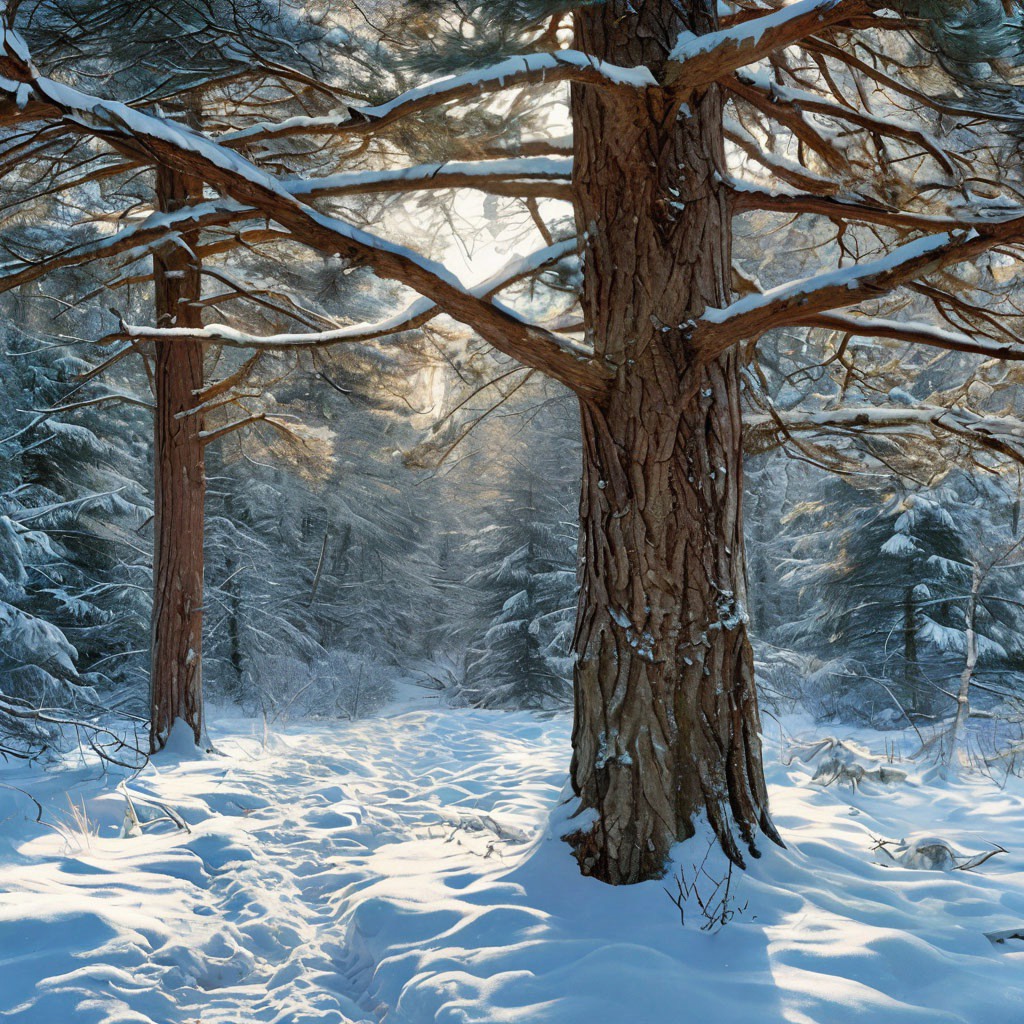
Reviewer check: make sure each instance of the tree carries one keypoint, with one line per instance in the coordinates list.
(525, 587)
(188, 59)
(667, 726)
(72, 569)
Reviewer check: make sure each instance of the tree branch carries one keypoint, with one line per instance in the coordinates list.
(795, 302)
(155, 140)
(916, 333)
(1002, 434)
(697, 61)
(414, 316)
(746, 196)
(514, 72)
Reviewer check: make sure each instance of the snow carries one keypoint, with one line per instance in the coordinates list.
(98, 114)
(408, 869)
(449, 87)
(689, 45)
(843, 277)
(411, 316)
(803, 98)
(181, 741)
(101, 115)
(638, 77)
(515, 167)
(13, 43)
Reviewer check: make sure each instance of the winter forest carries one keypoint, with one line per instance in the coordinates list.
(510, 511)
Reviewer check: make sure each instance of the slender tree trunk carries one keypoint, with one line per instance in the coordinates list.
(234, 626)
(666, 728)
(176, 681)
(233, 621)
(911, 667)
(963, 702)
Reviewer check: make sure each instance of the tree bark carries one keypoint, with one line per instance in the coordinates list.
(963, 698)
(911, 667)
(176, 681)
(666, 721)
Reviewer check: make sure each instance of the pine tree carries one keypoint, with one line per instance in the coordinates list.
(525, 588)
(667, 725)
(74, 575)
(891, 578)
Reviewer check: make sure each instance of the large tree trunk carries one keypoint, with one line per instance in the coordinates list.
(667, 726)
(176, 680)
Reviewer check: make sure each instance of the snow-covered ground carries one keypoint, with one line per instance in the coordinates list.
(403, 869)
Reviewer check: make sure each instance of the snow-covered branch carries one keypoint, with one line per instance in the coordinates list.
(416, 315)
(537, 176)
(917, 333)
(1003, 434)
(747, 196)
(788, 105)
(696, 61)
(526, 176)
(511, 73)
(155, 140)
(797, 301)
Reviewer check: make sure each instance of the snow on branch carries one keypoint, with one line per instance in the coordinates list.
(773, 98)
(573, 64)
(1002, 434)
(917, 333)
(511, 177)
(520, 177)
(696, 61)
(157, 141)
(748, 196)
(134, 242)
(795, 302)
(525, 176)
(513, 72)
(416, 315)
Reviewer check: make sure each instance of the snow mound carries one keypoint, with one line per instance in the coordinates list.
(844, 762)
(408, 870)
(932, 853)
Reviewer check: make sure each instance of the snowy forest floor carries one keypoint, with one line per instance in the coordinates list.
(403, 869)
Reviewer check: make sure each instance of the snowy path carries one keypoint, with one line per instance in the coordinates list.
(399, 870)
(246, 919)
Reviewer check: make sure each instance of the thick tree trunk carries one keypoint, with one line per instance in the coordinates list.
(667, 727)
(176, 681)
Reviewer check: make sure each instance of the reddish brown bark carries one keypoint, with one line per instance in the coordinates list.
(176, 682)
(666, 726)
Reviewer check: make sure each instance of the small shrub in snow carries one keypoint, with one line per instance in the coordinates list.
(930, 853)
(844, 762)
(342, 684)
(713, 897)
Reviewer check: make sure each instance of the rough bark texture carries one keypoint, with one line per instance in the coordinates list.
(666, 726)
(176, 681)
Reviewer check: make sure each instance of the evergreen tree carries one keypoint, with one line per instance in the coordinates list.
(75, 574)
(667, 726)
(525, 591)
(891, 576)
